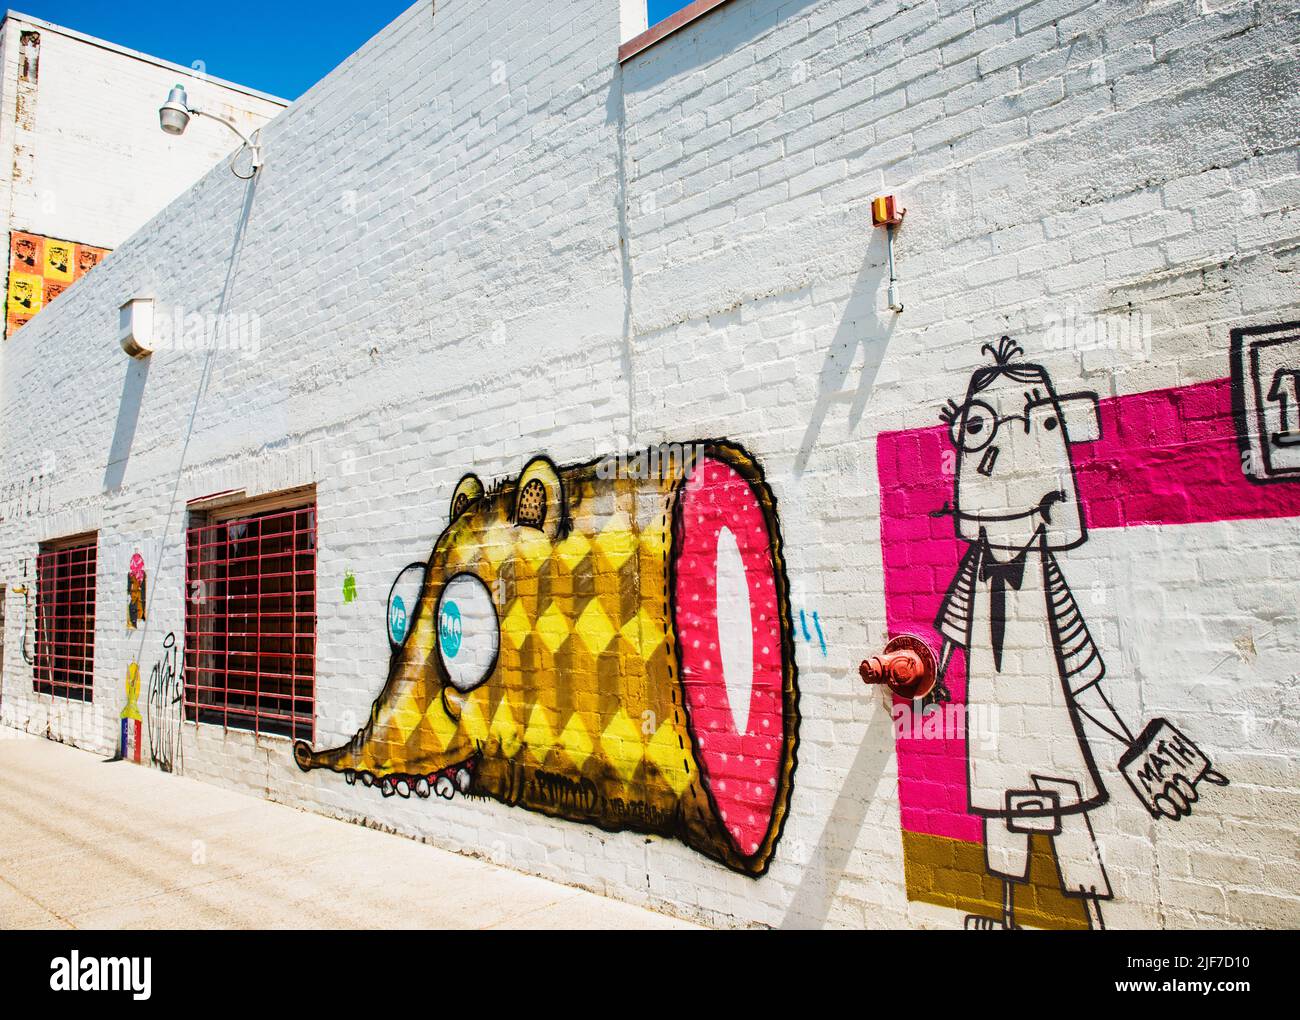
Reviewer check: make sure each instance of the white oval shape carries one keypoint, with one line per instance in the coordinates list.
(735, 629)
(466, 632)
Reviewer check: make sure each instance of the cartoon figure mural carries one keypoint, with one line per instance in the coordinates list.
(609, 643)
(1016, 505)
(1028, 652)
(135, 592)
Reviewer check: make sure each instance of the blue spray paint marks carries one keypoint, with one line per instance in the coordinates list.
(807, 636)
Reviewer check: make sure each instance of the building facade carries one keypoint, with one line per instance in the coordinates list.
(529, 456)
(84, 164)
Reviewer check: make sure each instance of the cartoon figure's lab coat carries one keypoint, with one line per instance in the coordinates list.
(1027, 646)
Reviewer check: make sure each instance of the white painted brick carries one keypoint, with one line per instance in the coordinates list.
(681, 247)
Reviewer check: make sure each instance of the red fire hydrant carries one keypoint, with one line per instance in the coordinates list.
(906, 667)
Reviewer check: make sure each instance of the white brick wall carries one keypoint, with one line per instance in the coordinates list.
(481, 238)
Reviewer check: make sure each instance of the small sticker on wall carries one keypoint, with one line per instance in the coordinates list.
(349, 588)
(135, 592)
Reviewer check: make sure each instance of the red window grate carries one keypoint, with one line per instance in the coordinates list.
(250, 622)
(65, 621)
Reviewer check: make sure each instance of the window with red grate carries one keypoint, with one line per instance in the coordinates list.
(65, 620)
(250, 620)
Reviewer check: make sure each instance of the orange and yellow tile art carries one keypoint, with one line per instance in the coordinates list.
(40, 269)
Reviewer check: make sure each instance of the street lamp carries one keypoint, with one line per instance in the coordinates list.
(174, 117)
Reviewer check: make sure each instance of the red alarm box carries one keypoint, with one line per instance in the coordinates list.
(885, 212)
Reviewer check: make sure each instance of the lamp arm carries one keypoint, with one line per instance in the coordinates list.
(252, 143)
(222, 120)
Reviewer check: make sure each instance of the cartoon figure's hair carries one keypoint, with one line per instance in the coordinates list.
(1004, 364)
(1004, 355)
(1004, 352)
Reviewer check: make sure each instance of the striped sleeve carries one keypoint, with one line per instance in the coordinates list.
(1081, 663)
(954, 618)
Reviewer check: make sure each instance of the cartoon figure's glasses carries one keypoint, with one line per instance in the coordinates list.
(974, 427)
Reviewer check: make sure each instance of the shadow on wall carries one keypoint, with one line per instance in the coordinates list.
(811, 904)
(862, 325)
(128, 416)
(137, 372)
(708, 39)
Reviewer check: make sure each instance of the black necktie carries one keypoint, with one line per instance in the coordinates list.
(1001, 574)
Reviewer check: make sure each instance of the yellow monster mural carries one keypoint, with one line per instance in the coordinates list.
(608, 643)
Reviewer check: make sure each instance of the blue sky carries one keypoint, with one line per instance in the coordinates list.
(657, 10)
(279, 46)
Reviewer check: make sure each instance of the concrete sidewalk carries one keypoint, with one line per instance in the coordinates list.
(85, 844)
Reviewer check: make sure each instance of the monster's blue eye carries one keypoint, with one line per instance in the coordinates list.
(468, 633)
(397, 619)
(450, 629)
(403, 597)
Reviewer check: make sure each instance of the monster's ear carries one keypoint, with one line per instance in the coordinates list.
(539, 496)
(469, 490)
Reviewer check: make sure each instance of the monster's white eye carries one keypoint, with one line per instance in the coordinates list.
(468, 633)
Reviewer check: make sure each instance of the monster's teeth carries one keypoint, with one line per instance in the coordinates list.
(444, 788)
(351, 776)
(422, 787)
(387, 787)
(463, 779)
(403, 788)
(367, 779)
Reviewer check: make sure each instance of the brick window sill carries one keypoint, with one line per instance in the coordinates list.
(667, 27)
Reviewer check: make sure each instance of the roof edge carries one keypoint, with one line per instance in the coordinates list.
(126, 51)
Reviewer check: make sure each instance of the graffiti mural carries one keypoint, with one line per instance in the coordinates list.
(135, 591)
(1000, 826)
(164, 707)
(40, 269)
(609, 643)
